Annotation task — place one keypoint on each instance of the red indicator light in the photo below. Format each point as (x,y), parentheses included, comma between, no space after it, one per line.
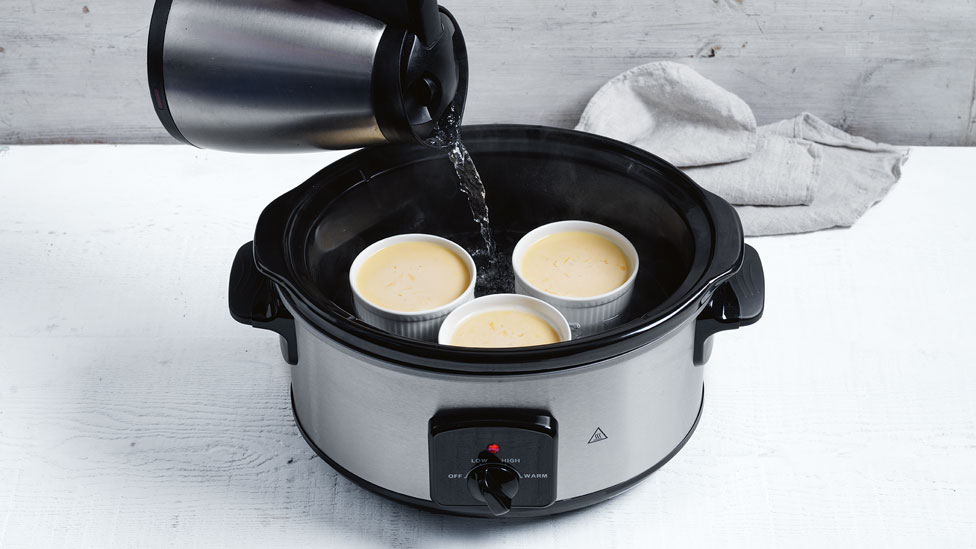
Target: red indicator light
(493,448)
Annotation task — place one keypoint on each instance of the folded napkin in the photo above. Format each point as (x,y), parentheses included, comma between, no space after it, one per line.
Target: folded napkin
(797,175)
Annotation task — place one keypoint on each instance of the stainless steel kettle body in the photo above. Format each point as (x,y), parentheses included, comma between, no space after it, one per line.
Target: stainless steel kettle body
(292,75)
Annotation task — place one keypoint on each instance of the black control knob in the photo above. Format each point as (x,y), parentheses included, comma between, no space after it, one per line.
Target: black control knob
(495,484)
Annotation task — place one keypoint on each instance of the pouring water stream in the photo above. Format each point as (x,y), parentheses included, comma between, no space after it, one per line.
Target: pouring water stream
(494,277)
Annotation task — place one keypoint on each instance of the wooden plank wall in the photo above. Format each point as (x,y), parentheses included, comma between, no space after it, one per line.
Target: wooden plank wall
(901,71)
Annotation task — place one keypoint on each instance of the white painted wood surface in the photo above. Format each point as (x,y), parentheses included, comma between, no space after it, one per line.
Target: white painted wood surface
(135,412)
(898,71)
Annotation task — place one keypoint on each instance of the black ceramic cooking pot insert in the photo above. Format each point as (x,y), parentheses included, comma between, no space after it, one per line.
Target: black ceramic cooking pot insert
(689,241)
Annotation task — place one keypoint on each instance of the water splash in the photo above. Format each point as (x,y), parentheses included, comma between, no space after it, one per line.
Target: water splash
(495,274)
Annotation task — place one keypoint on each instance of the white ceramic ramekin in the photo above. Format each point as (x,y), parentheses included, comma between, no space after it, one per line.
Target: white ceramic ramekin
(591,314)
(413,324)
(504,302)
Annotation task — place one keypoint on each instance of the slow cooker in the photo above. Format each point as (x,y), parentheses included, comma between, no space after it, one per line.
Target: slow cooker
(488,432)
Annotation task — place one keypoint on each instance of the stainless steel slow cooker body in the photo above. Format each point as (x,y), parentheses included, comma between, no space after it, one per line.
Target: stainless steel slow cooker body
(516,432)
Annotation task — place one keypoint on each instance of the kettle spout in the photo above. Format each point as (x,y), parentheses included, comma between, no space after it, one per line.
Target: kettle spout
(417,84)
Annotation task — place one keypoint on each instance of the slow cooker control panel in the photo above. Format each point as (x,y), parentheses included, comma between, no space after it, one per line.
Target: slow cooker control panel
(495,458)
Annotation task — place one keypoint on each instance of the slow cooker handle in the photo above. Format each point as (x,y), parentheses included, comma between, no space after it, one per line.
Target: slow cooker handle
(254,301)
(737,302)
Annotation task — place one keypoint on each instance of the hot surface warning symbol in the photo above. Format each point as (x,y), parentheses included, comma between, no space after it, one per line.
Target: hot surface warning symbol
(598,435)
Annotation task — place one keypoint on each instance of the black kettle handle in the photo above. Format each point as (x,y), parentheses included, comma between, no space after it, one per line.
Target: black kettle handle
(254,301)
(420,17)
(736,303)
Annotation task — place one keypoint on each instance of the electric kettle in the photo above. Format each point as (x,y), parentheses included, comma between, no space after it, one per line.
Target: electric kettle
(293,75)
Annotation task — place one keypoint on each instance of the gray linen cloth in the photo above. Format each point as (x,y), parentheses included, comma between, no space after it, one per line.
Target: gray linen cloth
(797,175)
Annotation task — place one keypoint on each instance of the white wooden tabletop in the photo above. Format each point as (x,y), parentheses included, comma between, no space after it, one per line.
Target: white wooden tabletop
(135,412)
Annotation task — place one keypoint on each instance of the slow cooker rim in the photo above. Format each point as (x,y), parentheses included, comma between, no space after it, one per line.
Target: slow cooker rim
(340,325)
